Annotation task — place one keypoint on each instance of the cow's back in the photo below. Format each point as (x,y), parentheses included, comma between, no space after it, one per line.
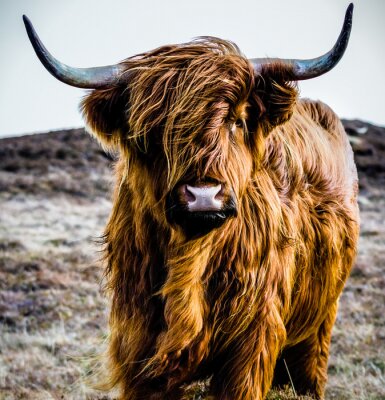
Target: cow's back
(318,155)
(317,182)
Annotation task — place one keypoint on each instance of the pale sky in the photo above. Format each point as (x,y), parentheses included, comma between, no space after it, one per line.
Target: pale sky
(85,33)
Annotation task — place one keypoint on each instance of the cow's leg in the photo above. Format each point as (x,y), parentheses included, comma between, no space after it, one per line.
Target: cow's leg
(151,389)
(245,370)
(306,362)
(148,394)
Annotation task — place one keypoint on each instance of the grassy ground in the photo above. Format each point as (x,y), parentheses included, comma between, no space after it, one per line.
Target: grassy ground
(53,316)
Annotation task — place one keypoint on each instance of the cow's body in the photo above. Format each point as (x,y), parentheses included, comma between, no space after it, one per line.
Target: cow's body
(234,222)
(243,306)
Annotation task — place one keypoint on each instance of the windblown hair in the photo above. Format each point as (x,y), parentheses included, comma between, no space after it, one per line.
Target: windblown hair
(264,287)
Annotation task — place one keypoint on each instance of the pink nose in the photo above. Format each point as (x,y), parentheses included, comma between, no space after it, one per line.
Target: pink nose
(203,198)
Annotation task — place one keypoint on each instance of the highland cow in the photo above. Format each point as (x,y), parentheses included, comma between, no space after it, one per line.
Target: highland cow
(234,222)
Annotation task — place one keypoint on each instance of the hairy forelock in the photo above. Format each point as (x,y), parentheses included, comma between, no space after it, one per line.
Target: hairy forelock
(183,92)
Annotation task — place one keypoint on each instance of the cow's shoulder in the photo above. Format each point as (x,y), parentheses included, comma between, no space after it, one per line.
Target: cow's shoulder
(320,113)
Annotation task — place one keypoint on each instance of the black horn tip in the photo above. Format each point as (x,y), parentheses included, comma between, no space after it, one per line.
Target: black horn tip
(34,39)
(343,40)
(348,22)
(349,13)
(28,24)
(44,56)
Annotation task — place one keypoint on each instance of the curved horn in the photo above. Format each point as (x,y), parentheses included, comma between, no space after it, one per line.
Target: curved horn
(307,69)
(87,78)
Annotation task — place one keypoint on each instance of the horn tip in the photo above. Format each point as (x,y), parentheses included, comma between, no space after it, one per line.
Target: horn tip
(28,24)
(349,11)
(26,20)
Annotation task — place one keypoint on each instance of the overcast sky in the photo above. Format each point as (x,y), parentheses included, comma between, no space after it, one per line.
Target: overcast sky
(86,33)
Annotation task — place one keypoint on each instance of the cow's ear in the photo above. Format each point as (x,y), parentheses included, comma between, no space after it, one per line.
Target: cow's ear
(104,111)
(277,97)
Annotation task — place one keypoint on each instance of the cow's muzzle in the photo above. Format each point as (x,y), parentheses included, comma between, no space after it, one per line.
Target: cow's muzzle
(198,208)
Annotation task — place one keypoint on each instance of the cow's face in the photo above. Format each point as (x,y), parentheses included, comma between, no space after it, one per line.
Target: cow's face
(211,170)
(191,125)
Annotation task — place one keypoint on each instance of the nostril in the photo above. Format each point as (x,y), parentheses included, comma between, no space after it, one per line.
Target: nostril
(188,194)
(220,195)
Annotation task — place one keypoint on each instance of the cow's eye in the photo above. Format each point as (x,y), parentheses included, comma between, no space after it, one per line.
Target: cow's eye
(239,123)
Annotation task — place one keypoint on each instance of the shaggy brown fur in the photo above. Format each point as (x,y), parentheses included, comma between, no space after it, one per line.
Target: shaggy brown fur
(262,288)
